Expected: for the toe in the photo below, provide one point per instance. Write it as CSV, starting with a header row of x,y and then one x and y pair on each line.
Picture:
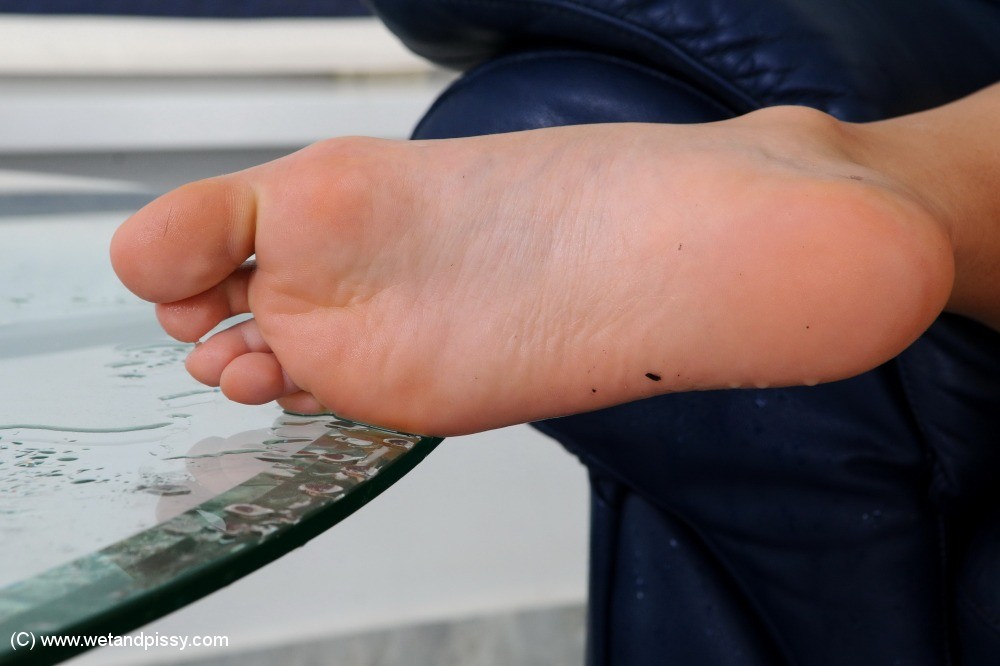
x,y
255,378
189,319
209,359
187,241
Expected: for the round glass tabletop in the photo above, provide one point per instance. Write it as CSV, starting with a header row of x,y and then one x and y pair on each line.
x,y
128,490
303,475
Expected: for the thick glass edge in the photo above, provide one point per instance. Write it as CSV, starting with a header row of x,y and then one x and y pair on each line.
x,y
158,601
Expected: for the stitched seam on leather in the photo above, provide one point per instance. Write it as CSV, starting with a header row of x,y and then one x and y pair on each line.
x,y
936,471
573,446
911,402
764,620
602,652
946,588
628,29
475,74
991,621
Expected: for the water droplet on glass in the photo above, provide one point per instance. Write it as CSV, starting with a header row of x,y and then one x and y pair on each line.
x,y
321,489
360,473
249,510
338,457
184,524
214,521
274,457
355,441
284,473
285,440
166,489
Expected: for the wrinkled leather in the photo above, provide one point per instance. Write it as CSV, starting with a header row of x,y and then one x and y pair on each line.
x,y
858,59
856,522
554,88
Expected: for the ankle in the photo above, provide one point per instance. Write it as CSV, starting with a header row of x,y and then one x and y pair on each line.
x,y
938,158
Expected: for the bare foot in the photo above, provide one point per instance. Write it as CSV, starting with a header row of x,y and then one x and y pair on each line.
x,y
447,287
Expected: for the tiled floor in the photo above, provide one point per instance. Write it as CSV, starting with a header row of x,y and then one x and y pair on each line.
x,y
548,637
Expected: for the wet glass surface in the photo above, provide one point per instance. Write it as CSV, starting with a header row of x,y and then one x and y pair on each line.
x,y
127,489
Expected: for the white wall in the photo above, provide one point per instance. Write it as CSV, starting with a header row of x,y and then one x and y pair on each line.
x,y
93,84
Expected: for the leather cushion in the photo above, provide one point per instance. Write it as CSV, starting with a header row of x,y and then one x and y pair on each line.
x,y
856,59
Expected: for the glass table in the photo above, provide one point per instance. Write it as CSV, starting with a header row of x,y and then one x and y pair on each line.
x,y
127,490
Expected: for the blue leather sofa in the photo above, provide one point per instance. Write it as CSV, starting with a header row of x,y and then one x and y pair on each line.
x,y
845,524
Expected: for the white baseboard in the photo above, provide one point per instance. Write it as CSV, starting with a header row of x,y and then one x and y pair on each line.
x,y
133,46
124,114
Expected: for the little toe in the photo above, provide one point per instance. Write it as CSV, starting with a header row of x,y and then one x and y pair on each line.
x,y
189,319
186,241
256,378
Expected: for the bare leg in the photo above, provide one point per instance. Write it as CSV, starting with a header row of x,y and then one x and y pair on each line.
x,y
949,158
451,286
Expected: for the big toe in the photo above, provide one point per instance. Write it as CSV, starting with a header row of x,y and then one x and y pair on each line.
x,y
186,241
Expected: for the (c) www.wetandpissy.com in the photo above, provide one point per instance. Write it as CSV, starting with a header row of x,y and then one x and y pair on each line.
x,y
29,640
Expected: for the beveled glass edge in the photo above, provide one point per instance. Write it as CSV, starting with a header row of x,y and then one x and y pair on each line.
x,y
150,603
